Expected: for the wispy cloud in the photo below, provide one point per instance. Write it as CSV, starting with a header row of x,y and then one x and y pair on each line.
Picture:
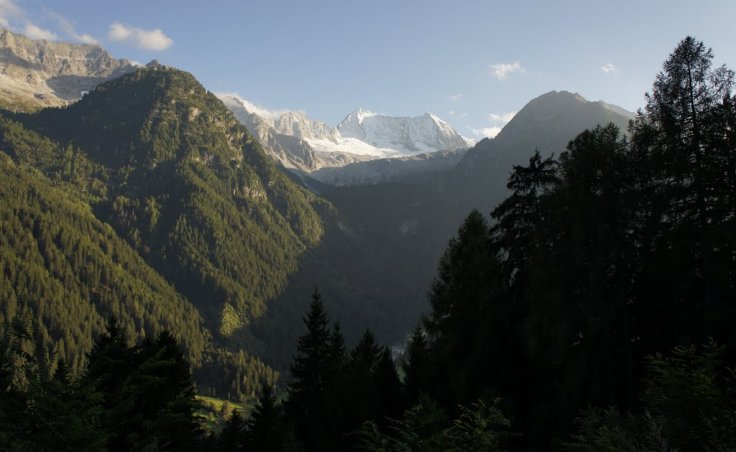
x,y
609,68
502,71
36,32
263,112
496,122
502,118
488,132
71,31
9,11
456,114
455,97
146,39
15,18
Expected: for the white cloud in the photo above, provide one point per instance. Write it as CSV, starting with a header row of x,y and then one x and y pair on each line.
x,y
118,32
502,118
455,97
502,71
456,114
8,11
253,108
496,122
68,27
488,132
14,18
146,39
608,68
35,32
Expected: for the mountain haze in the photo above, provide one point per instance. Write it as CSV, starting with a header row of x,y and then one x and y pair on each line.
x,y
408,223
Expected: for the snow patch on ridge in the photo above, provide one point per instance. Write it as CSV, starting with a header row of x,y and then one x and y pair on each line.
x,y
362,132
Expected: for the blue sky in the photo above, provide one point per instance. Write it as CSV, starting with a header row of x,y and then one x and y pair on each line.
x,y
473,63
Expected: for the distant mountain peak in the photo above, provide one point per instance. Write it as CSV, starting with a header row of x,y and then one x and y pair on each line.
x,y
556,97
358,115
39,73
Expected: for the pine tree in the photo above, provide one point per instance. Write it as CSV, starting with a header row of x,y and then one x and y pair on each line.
x,y
305,407
264,426
233,435
417,367
365,396
389,386
677,137
461,298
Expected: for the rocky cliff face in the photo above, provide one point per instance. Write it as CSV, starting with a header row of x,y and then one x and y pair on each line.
x,y
284,137
40,73
365,148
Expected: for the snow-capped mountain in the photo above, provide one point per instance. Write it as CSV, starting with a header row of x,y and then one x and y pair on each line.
x,y
409,136
284,135
305,145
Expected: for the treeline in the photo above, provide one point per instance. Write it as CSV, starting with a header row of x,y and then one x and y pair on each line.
x,y
596,312
67,270
148,201
621,249
128,398
342,400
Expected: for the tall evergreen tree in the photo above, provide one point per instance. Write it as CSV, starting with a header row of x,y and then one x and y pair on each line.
x,y
148,395
233,436
677,138
462,304
417,367
365,396
264,427
392,396
305,407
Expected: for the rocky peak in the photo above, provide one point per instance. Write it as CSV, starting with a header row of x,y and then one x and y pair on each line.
x,y
297,124
38,73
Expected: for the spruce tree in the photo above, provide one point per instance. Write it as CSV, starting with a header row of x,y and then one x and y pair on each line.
x,y
417,367
233,436
389,386
305,407
264,427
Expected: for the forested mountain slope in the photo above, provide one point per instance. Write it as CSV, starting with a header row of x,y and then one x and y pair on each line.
x,y
69,271
163,170
190,190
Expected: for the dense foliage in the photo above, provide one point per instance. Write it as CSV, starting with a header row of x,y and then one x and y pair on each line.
x,y
67,271
594,313
618,250
128,398
191,190
142,199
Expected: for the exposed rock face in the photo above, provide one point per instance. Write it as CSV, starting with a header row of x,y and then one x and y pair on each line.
x,y
365,148
40,73
284,137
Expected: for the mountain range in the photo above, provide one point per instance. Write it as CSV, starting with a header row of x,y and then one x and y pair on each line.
x,y
151,199
340,155
39,73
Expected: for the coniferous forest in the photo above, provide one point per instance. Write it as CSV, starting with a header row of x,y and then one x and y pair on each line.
x,y
592,310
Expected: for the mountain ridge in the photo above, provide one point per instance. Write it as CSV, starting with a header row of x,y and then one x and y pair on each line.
x,y
318,151
40,73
